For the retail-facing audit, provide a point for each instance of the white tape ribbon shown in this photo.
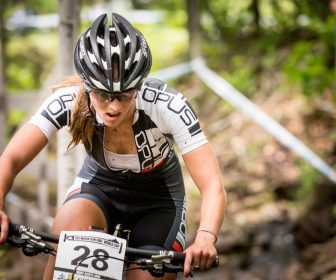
(240, 102)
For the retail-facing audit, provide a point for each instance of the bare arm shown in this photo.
(20, 151)
(203, 168)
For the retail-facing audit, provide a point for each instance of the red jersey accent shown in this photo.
(177, 247)
(150, 169)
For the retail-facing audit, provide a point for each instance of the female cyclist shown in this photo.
(128, 124)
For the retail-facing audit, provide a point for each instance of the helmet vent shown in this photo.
(87, 71)
(115, 69)
(123, 31)
(102, 52)
(113, 39)
(98, 69)
(88, 45)
(127, 51)
(130, 71)
(100, 32)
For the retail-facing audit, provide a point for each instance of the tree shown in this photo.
(256, 14)
(194, 28)
(68, 26)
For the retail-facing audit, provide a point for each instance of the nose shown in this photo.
(115, 105)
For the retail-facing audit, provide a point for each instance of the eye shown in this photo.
(125, 97)
(101, 93)
(101, 96)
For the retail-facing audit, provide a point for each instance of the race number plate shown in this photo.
(90, 254)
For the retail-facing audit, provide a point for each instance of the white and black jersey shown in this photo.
(163, 117)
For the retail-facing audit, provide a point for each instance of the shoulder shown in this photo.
(153, 84)
(58, 104)
(165, 104)
(158, 93)
(62, 98)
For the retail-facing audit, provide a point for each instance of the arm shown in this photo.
(203, 168)
(21, 150)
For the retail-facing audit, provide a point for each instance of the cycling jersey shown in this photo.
(150, 191)
(162, 116)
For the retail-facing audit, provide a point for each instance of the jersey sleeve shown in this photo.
(176, 116)
(55, 111)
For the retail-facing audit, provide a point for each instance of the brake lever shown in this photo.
(158, 268)
(168, 267)
(30, 243)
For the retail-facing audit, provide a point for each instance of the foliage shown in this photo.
(35, 6)
(29, 58)
(306, 65)
(167, 5)
(296, 38)
(163, 51)
(42, 6)
(240, 75)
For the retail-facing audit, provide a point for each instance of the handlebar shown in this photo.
(33, 242)
(18, 229)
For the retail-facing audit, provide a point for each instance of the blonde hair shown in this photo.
(81, 124)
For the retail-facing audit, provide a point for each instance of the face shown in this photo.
(113, 108)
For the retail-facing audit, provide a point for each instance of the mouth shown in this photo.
(112, 116)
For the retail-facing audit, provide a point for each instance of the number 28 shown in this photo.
(99, 258)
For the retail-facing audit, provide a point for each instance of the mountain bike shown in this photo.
(95, 254)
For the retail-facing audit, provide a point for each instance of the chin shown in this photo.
(109, 124)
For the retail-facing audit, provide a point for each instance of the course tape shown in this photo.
(240, 102)
(173, 72)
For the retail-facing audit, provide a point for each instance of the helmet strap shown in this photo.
(92, 115)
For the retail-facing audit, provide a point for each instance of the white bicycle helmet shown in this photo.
(112, 58)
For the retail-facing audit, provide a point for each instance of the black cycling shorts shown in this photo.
(151, 205)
